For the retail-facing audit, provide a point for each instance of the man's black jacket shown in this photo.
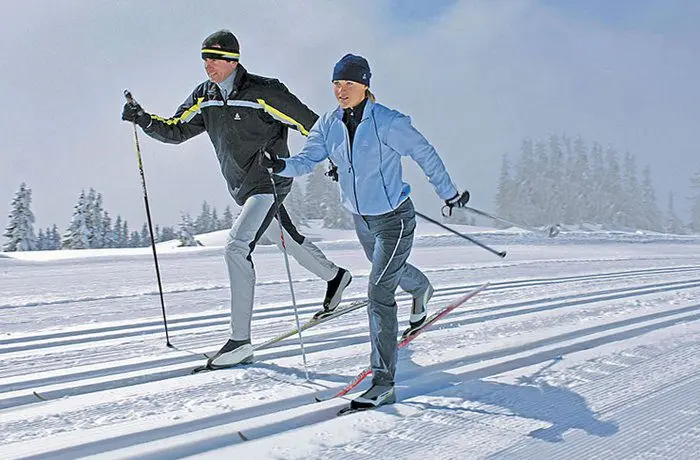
(257, 114)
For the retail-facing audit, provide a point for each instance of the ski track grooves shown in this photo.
(418, 382)
(153, 369)
(52, 340)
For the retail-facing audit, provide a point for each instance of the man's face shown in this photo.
(348, 93)
(218, 70)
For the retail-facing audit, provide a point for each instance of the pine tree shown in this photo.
(203, 222)
(579, 181)
(316, 194)
(505, 197)
(167, 234)
(215, 223)
(76, 236)
(227, 220)
(41, 240)
(145, 237)
(108, 236)
(20, 228)
(135, 240)
(335, 215)
(124, 235)
(295, 206)
(597, 195)
(695, 204)
(524, 209)
(673, 223)
(613, 213)
(94, 221)
(650, 216)
(187, 231)
(117, 233)
(632, 207)
(52, 239)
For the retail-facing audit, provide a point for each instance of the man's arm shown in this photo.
(285, 107)
(185, 124)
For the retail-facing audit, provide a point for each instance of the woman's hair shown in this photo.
(371, 96)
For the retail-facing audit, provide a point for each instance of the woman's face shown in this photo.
(348, 93)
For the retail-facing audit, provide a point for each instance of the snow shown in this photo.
(586, 345)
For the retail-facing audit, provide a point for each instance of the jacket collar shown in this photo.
(239, 81)
(369, 106)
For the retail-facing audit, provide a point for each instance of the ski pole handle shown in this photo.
(129, 98)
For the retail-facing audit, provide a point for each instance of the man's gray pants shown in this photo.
(254, 221)
(387, 240)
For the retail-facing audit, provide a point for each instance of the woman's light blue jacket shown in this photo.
(370, 173)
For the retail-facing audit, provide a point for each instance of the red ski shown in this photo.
(432, 319)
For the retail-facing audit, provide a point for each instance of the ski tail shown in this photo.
(432, 319)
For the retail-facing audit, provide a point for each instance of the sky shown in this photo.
(477, 77)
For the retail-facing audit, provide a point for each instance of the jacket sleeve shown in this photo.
(406, 140)
(286, 108)
(185, 124)
(312, 153)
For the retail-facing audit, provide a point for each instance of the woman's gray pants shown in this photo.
(387, 240)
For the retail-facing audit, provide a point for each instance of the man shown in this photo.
(244, 114)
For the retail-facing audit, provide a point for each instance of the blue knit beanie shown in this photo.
(353, 68)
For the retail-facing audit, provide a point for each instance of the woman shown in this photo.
(365, 141)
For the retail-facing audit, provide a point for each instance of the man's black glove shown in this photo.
(457, 201)
(270, 162)
(134, 113)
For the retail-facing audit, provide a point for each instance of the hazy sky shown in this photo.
(477, 77)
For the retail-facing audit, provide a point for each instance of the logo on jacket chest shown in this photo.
(236, 116)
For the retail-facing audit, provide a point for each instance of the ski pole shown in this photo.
(289, 271)
(130, 99)
(552, 230)
(500, 254)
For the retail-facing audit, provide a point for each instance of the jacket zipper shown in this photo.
(351, 169)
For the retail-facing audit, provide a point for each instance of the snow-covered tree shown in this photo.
(135, 240)
(20, 228)
(109, 238)
(695, 203)
(316, 193)
(335, 215)
(202, 223)
(167, 234)
(505, 196)
(186, 231)
(94, 219)
(77, 234)
(673, 223)
(215, 222)
(649, 215)
(227, 218)
(294, 204)
(145, 236)
(632, 213)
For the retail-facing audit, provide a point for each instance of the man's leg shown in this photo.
(251, 223)
(311, 258)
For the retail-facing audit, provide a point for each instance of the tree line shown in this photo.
(560, 180)
(91, 226)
